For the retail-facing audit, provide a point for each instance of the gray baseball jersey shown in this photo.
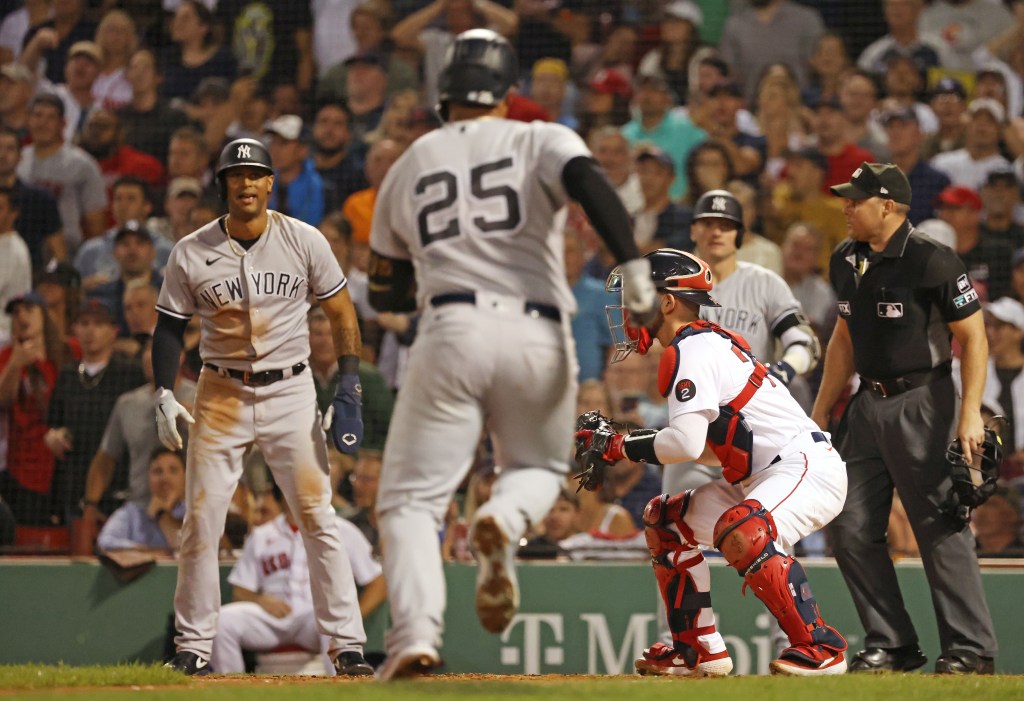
(754, 300)
(469, 227)
(253, 303)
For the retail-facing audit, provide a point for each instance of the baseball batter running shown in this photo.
(250, 276)
(782, 479)
(467, 227)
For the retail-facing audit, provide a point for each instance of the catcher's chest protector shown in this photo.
(729, 436)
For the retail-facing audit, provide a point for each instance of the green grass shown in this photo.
(43, 682)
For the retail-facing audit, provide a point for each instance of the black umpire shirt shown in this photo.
(898, 301)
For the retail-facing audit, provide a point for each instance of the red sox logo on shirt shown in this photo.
(272, 564)
(685, 390)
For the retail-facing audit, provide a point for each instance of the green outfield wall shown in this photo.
(575, 618)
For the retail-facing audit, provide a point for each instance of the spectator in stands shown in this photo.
(549, 80)
(558, 524)
(135, 253)
(903, 132)
(298, 188)
(60, 286)
(679, 38)
(751, 40)
(421, 31)
(970, 165)
(604, 101)
(541, 34)
(673, 133)
(395, 123)
(996, 525)
(140, 308)
(80, 406)
(182, 196)
(799, 198)
(590, 322)
(991, 81)
(779, 117)
(15, 261)
(80, 73)
(103, 139)
(831, 128)
(366, 81)
(335, 35)
(15, 26)
(829, 63)
(1004, 383)
(337, 156)
(17, 85)
(903, 83)
(95, 260)
(365, 477)
(949, 103)
(988, 261)
(1001, 197)
(272, 41)
(148, 119)
(117, 40)
(53, 38)
(358, 208)
(756, 248)
(709, 166)
(661, 223)
(858, 95)
(631, 485)
(38, 221)
(746, 151)
(65, 171)
(28, 373)
(195, 52)
(963, 26)
(904, 38)
(130, 439)
(611, 150)
(188, 156)
(801, 269)
(272, 603)
(154, 525)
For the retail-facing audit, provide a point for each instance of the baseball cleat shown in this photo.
(415, 660)
(807, 661)
(661, 660)
(351, 663)
(894, 659)
(189, 663)
(497, 591)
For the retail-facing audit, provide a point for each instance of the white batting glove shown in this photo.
(639, 295)
(167, 412)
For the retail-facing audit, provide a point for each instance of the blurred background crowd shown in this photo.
(112, 111)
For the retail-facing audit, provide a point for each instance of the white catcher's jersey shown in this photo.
(754, 300)
(473, 205)
(711, 374)
(253, 303)
(273, 561)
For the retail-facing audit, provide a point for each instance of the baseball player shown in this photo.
(474, 209)
(249, 276)
(781, 479)
(272, 603)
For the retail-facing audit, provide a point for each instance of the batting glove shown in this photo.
(639, 295)
(167, 412)
(345, 417)
(782, 371)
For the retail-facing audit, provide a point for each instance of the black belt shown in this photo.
(532, 308)
(257, 379)
(899, 385)
(818, 437)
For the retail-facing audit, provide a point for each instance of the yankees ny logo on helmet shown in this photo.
(243, 151)
(718, 204)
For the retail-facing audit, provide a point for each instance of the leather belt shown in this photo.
(899, 385)
(532, 308)
(257, 379)
(818, 437)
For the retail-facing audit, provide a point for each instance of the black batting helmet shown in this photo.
(242, 152)
(721, 204)
(479, 69)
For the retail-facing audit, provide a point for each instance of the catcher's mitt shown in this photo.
(594, 431)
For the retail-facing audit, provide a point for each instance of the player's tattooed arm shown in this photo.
(344, 323)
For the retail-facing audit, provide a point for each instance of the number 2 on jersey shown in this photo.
(449, 194)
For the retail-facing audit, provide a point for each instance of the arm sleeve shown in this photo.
(113, 443)
(116, 532)
(683, 439)
(167, 346)
(950, 288)
(585, 182)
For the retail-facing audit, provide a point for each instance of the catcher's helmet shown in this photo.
(721, 204)
(674, 272)
(975, 482)
(479, 69)
(242, 152)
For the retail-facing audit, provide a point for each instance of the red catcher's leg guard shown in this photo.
(746, 536)
(684, 582)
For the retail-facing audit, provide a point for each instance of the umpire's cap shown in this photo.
(721, 204)
(479, 69)
(884, 180)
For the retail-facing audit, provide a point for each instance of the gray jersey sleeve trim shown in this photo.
(334, 290)
(171, 312)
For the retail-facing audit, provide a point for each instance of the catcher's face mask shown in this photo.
(627, 336)
(974, 482)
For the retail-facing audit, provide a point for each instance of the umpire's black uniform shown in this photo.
(897, 303)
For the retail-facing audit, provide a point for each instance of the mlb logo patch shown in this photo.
(962, 283)
(965, 299)
(890, 310)
(844, 308)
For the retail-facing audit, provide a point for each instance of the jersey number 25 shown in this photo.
(449, 194)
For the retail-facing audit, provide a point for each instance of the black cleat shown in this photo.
(352, 664)
(190, 663)
(964, 662)
(895, 659)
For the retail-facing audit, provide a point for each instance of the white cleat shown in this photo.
(661, 660)
(416, 660)
(497, 591)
